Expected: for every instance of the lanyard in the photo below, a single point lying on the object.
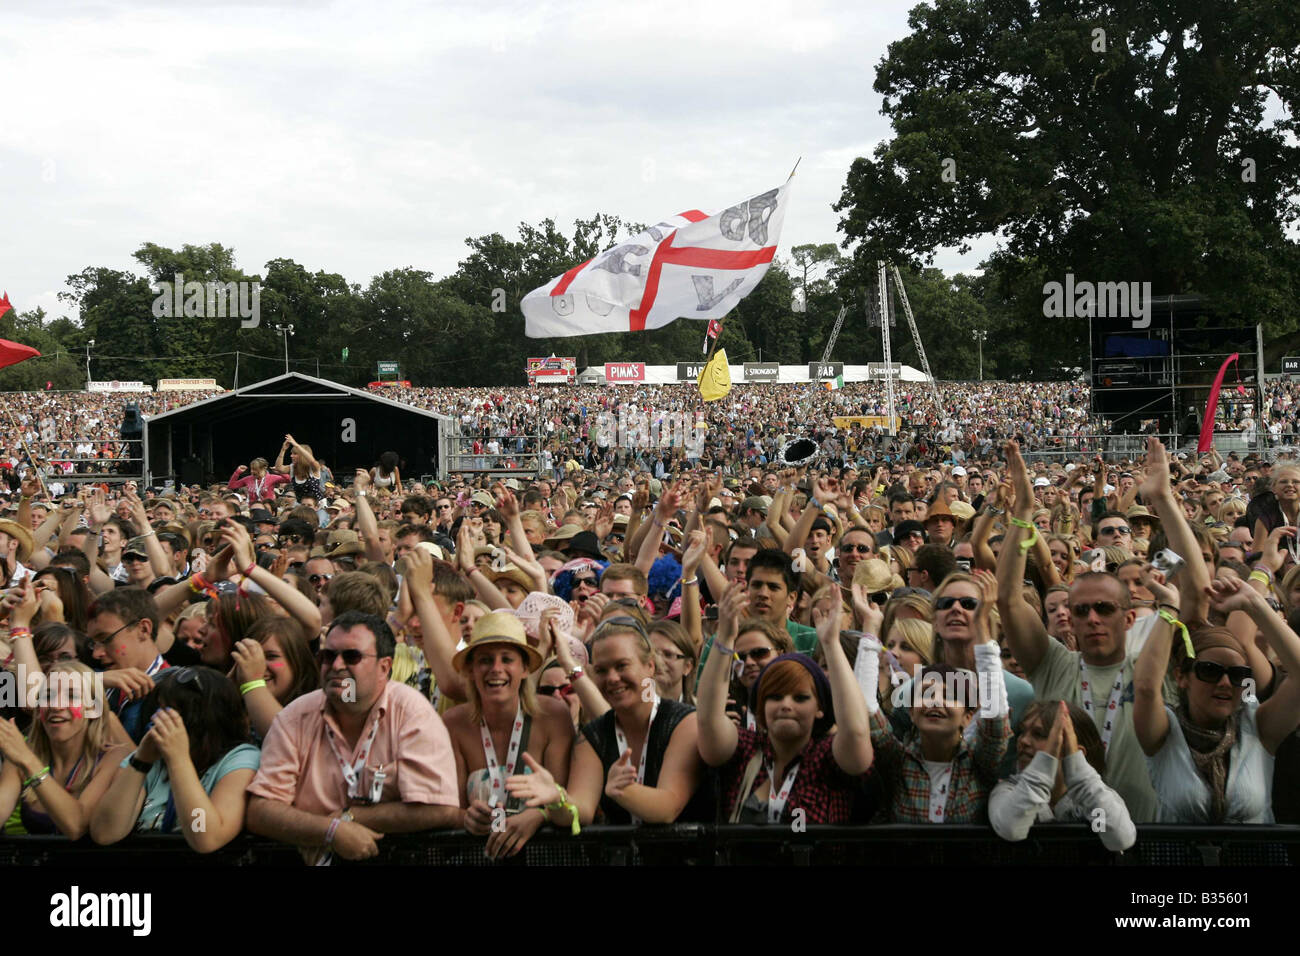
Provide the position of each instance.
(750, 722)
(257, 489)
(497, 772)
(351, 771)
(1112, 705)
(939, 793)
(621, 739)
(777, 799)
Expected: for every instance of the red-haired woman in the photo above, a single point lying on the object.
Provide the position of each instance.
(790, 762)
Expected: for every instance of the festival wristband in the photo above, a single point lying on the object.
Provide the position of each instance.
(719, 646)
(1178, 625)
(564, 803)
(688, 582)
(19, 631)
(1260, 576)
(249, 570)
(37, 777)
(333, 829)
(251, 685)
(1033, 534)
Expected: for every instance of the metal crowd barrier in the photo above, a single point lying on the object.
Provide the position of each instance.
(709, 845)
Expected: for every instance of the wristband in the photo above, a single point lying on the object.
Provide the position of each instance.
(249, 570)
(1261, 577)
(251, 685)
(19, 631)
(135, 763)
(333, 829)
(693, 580)
(37, 777)
(564, 803)
(149, 534)
(1022, 523)
(1178, 625)
(718, 645)
(1264, 570)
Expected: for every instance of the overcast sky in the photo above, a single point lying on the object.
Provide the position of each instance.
(360, 137)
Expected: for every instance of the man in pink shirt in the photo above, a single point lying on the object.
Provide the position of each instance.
(362, 757)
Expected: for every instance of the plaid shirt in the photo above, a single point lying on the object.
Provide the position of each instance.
(822, 790)
(974, 772)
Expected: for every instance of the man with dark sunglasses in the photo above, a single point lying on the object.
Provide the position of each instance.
(1098, 676)
(361, 757)
(1113, 529)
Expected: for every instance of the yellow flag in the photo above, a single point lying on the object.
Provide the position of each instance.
(715, 378)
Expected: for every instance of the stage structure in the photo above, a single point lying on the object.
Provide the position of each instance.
(345, 427)
(1157, 379)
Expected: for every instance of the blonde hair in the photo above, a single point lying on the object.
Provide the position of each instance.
(918, 635)
(94, 742)
(527, 694)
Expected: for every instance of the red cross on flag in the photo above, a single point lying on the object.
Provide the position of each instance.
(690, 266)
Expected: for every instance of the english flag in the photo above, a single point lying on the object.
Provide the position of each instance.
(715, 329)
(692, 265)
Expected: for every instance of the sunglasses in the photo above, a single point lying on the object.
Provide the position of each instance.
(134, 558)
(859, 548)
(1211, 673)
(878, 597)
(590, 582)
(555, 690)
(351, 657)
(183, 676)
(1118, 529)
(967, 603)
(318, 578)
(756, 655)
(1103, 608)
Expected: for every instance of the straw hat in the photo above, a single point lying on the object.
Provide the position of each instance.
(23, 535)
(498, 627)
(875, 575)
(514, 573)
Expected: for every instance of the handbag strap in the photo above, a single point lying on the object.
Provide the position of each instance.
(746, 785)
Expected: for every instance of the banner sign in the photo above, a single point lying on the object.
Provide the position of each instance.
(820, 370)
(689, 371)
(624, 372)
(385, 368)
(762, 371)
(877, 369)
(118, 387)
(867, 421)
(186, 384)
(555, 370)
(1290, 366)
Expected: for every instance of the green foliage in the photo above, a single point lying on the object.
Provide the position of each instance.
(1122, 157)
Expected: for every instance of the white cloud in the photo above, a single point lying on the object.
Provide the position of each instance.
(363, 137)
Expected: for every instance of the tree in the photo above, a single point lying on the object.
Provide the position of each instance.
(1122, 143)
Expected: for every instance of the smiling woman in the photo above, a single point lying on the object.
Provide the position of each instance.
(637, 762)
(52, 781)
(500, 727)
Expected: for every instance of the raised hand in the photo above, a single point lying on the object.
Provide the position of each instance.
(867, 616)
(1233, 594)
(621, 775)
(170, 736)
(731, 609)
(696, 545)
(250, 660)
(361, 480)
(1156, 481)
(536, 789)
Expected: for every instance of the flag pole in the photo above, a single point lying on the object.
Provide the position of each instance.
(796, 166)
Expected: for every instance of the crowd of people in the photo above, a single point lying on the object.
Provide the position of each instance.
(943, 635)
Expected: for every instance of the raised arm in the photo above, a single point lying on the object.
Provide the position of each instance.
(207, 821)
(439, 646)
(1158, 494)
(304, 456)
(299, 607)
(852, 744)
(1278, 716)
(664, 509)
(717, 734)
(1150, 719)
(367, 526)
(1023, 627)
(693, 562)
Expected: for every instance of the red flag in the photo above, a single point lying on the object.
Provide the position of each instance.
(1207, 426)
(714, 330)
(5, 304)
